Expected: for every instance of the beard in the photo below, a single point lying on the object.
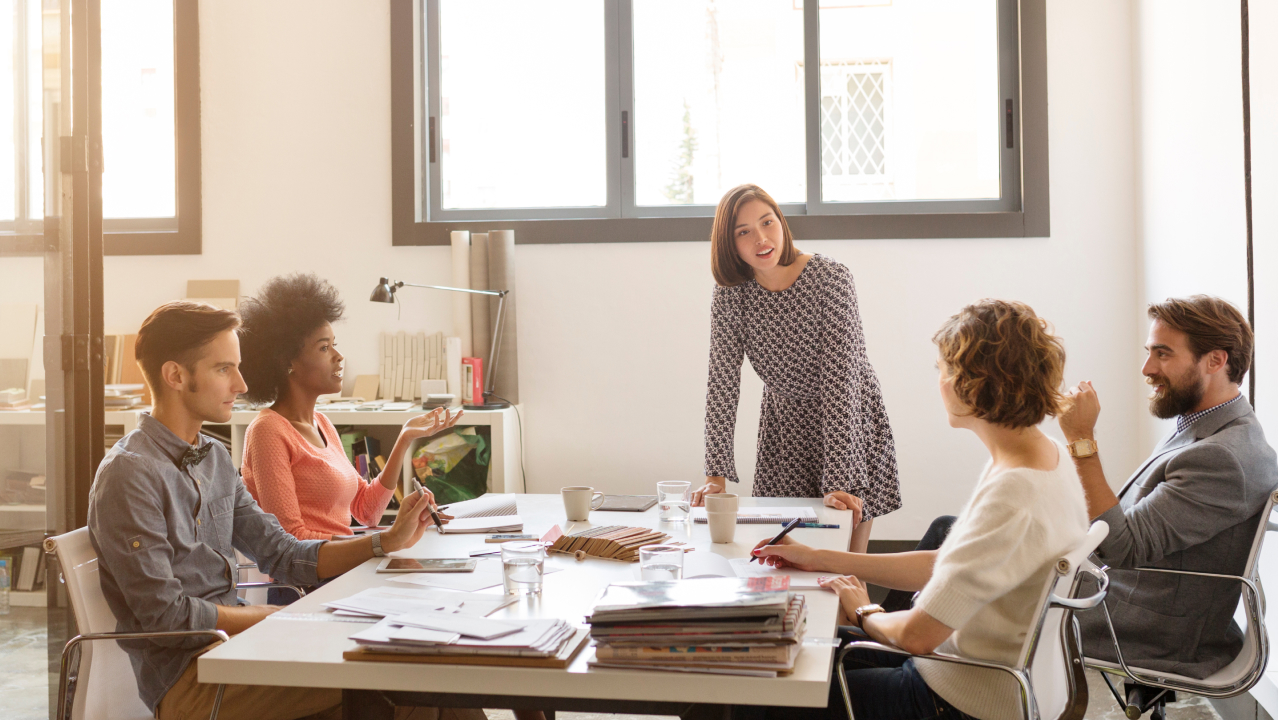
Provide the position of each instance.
(1177, 398)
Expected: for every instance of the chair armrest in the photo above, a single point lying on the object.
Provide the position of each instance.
(246, 566)
(250, 585)
(1027, 695)
(1256, 596)
(75, 642)
(1089, 602)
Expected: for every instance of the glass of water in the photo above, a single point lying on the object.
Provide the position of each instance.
(522, 566)
(661, 562)
(674, 501)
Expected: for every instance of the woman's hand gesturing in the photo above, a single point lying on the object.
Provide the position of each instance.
(431, 423)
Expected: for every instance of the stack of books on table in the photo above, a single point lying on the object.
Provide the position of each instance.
(733, 626)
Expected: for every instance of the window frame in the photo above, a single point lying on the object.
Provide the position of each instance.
(179, 235)
(1023, 211)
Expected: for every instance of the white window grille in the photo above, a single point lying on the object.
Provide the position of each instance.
(855, 130)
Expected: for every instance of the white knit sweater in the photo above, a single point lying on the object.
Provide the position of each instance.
(989, 575)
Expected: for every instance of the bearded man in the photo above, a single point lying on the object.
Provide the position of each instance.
(1194, 505)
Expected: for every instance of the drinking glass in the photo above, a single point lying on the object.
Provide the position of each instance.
(661, 562)
(522, 566)
(674, 501)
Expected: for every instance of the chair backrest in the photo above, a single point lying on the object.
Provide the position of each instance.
(1240, 674)
(106, 688)
(1049, 650)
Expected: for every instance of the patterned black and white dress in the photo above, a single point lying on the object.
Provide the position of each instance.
(823, 426)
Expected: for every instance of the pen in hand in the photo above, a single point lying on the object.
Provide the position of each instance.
(434, 512)
(781, 535)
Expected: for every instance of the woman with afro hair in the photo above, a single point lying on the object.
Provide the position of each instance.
(294, 464)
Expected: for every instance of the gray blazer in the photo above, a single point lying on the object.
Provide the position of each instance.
(1193, 505)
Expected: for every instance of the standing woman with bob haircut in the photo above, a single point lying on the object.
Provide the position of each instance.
(823, 430)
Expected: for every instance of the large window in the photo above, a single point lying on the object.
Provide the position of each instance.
(883, 118)
(150, 123)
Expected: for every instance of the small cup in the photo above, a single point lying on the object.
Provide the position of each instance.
(579, 501)
(661, 562)
(674, 503)
(722, 502)
(522, 567)
(723, 526)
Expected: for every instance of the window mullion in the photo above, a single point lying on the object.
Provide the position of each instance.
(20, 110)
(431, 143)
(624, 152)
(812, 102)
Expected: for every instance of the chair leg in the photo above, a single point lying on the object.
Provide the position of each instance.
(217, 702)
(843, 686)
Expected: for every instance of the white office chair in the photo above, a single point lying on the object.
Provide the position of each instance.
(1049, 669)
(105, 687)
(1153, 689)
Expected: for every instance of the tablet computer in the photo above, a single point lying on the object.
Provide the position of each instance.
(410, 565)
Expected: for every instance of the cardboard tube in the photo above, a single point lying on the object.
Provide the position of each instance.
(501, 276)
(461, 279)
(481, 325)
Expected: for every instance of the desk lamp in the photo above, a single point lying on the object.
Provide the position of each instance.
(385, 293)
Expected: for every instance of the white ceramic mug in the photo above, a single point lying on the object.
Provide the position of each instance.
(579, 501)
(723, 526)
(722, 502)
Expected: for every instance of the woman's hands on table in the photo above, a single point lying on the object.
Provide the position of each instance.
(411, 522)
(787, 553)
(851, 591)
(714, 484)
(840, 500)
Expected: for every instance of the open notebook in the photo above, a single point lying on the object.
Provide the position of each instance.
(493, 512)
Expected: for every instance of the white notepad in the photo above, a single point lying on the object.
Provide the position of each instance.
(763, 515)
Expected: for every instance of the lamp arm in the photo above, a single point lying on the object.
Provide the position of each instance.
(494, 293)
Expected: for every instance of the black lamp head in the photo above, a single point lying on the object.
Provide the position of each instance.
(384, 292)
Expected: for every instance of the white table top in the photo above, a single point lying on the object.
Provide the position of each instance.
(308, 653)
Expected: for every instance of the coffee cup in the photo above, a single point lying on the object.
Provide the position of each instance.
(723, 526)
(579, 501)
(722, 502)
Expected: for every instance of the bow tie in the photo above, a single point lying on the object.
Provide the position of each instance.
(194, 456)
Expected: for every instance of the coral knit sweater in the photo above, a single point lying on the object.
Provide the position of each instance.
(313, 491)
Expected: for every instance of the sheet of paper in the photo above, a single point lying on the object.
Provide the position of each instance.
(475, 627)
(799, 579)
(487, 574)
(698, 564)
(422, 635)
(382, 601)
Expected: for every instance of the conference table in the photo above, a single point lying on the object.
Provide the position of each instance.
(303, 645)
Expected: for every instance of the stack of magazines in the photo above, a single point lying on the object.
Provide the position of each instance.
(733, 626)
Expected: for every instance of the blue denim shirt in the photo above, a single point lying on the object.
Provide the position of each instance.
(166, 540)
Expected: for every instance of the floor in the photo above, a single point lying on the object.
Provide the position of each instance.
(24, 680)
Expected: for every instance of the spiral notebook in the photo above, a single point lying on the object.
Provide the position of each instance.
(763, 515)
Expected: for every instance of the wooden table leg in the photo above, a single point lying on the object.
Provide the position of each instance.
(366, 705)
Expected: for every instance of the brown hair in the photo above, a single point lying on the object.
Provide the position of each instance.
(728, 267)
(176, 331)
(1210, 324)
(1005, 362)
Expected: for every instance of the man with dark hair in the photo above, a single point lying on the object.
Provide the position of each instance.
(1194, 505)
(167, 511)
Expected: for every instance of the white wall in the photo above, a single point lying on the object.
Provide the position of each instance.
(614, 337)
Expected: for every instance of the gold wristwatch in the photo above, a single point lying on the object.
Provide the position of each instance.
(865, 611)
(1083, 448)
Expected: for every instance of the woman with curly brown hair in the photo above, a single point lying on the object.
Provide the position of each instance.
(294, 464)
(1000, 372)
